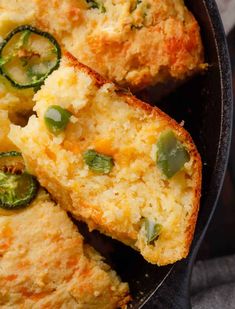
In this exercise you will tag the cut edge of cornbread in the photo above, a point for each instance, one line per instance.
(133, 101)
(93, 217)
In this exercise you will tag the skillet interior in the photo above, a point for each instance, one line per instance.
(204, 103)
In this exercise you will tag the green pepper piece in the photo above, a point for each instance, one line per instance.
(20, 56)
(96, 4)
(97, 162)
(56, 119)
(4, 61)
(152, 229)
(35, 73)
(171, 154)
(23, 40)
(17, 187)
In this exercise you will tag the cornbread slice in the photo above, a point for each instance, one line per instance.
(136, 43)
(45, 264)
(115, 124)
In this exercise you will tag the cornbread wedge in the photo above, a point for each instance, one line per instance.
(45, 264)
(135, 43)
(121, 165)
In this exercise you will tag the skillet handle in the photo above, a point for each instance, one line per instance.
(175, 290)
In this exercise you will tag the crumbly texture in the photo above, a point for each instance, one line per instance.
(135, 43)
(45, 264)
(113, 123)
(5, 143)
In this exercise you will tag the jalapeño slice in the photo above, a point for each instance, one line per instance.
(17, 187)
(28, 56)
(97, 162)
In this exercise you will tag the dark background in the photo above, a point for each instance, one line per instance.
(220, 238)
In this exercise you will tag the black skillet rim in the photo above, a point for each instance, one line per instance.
(222, 156)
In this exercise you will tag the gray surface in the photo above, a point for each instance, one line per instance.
(227, 11)
(213, 284)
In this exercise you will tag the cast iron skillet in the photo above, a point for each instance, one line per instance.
(205, 104)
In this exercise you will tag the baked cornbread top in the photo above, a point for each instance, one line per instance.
(134, 43)
(45, 264)
(134, 188)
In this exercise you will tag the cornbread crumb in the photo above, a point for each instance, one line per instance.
(134, 43)
(128, 129)
(5, 143)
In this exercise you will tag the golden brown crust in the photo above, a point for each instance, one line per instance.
(73, 62)
(152, 44)
(184, 135)
(197, 196)
(129, 48)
